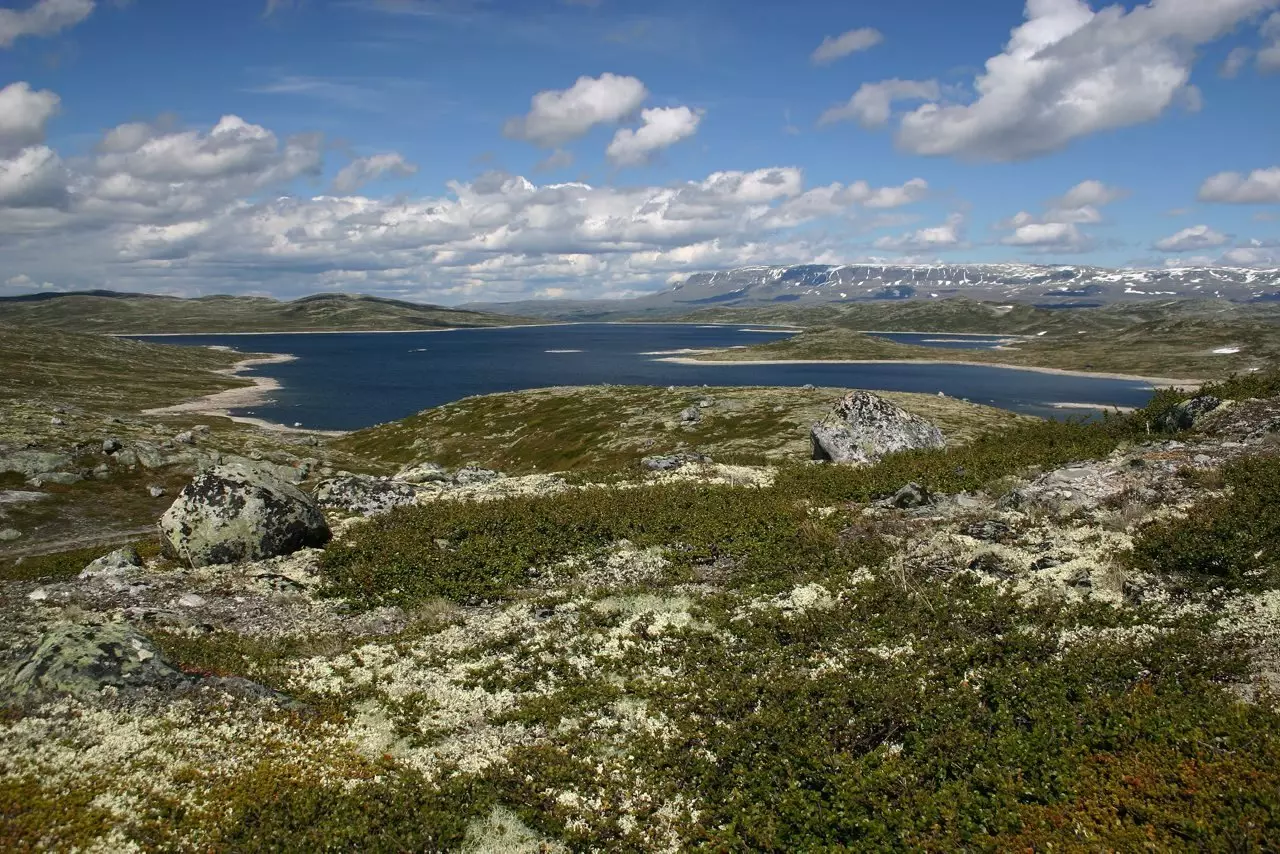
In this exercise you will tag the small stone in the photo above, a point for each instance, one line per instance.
(110, 446)
(911, 495)
(191, 600)
(1202, 459)
(155, 491)
(38, 595)
(8, 535)
(692, 415)
(57, 422)
(201, 430)
(809, 387)
(186, 437)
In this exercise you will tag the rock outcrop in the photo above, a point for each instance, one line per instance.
(367, 496)
(1186, 414)
(862, 428)
(81, 660)
(235, 513)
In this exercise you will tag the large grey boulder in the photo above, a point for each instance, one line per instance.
(1186, 414)
(862, 428)
(32, 463)
(235, 513)
(422, 473)
(364, 495)
(81, 660)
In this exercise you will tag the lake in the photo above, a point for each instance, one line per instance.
(350, 380)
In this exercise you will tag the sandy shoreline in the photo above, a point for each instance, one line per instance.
(220, 403)
(1154, 382)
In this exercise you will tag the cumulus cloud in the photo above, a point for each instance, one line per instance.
(872, 105)
(1197, 237)
(496, 235)
(24, 113)
(1057, 229)
(35, 178)
(1069, 72)
(939, 238)
(43, 18)
(661, 128)
(1259, 187)
(837, 47)
(561, 115)
(362, 170)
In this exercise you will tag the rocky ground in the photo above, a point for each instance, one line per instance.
(686, 653)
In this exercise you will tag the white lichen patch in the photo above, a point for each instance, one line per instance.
(717, 474)
(502, 832)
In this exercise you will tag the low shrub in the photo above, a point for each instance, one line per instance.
(1232, 541)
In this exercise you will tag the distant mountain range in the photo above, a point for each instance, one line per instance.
(812, 284)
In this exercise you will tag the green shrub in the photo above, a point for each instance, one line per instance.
(1232, 541)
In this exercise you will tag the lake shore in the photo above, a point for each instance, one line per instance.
(1154, 382)
(220, 403)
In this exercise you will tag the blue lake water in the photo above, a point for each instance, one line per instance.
(345, 381)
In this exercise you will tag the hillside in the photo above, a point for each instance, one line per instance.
(118, 313)
(1180, 339)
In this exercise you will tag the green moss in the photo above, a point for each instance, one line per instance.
(33, 818)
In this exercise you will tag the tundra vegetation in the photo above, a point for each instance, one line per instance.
(1178, 338)
(1073, 644)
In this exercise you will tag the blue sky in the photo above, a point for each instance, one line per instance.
(457, 150)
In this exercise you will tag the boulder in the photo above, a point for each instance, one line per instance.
(113, 565)
(471, 474)
(234, 513)
(32, 463)
(692, 415)
(186, 437)
(422, 473)
(910, 496)
(1185, 415)
(364, 495)
(862, 428)
(81, 660)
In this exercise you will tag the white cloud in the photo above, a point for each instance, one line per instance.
(362, 170)
(44, 18)
(836, 47)
(662, 127)
(1235, 61)
(24, 113)
(559, 116)
(1058, 228)
(1269, 56)
(872, 105)
(1250, 257)
(1069, 72)
(34, 178)
(1259, 187)
(1059, 236)
(1194, 238)
(498, 235)
(940, 238)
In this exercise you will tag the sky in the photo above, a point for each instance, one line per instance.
(456, 151)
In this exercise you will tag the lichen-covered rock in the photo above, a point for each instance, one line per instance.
(1185, 415)
(422, 473)
(81, 660)
(472, 475)
(235, 513)
(862, 428)
(113, 565)
(364, 495)
(691, 415)
(32, 463)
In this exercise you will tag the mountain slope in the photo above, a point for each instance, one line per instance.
(106, 311)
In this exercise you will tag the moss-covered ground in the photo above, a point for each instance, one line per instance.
(683, 667)
(614, 427)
